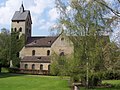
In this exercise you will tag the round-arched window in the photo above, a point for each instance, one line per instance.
(48, 52)
(20, 29)
(33, 52)
(15, 29)
(41, 67)
(62, 39)
(48, 67)
(26, 66)
(33, 66)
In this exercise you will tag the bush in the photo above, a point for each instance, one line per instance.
(14, 70)
(110, 75)
(95, 79)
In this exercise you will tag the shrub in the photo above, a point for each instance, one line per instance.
(110, 75)
(14, 70)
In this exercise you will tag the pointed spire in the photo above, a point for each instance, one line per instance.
(22, 8)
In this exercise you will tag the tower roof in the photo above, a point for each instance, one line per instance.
(21, 15)
(18, 16)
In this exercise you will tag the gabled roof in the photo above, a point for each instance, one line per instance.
(40, 59)
(46, 41)
(18, 16)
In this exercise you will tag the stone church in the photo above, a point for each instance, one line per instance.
(35, 55)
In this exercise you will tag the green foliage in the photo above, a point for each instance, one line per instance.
(17, 43)
(4, 47)
(4, 70)
(86, 24)
(112, 75)
(10, 46)
(59, 65)
(115, 84)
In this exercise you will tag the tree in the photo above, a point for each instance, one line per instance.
(4, 47)
(17, 43)
(86, 22)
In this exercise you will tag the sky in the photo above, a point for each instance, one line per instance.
(43, 13)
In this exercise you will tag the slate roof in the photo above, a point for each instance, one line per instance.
(18, 16)
(40, 59)
(46, 41)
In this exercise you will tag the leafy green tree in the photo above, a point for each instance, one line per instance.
(86, 22)
(4, 47)
(17, 43)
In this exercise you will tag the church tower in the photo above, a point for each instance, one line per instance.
(22, 22)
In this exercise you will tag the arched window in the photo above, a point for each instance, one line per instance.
(48, 52)
(20, 29)
(33, 52)
(15, 29)
(33, 66)
(62, 54)
(26, 66)
(62, 39)
(41, 67)
(48, 67)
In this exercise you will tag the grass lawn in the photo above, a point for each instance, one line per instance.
(36, 82)
(113, 82)
(32, 82)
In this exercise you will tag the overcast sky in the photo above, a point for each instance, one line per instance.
(43, 14)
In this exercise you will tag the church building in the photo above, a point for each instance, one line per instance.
(36, 53)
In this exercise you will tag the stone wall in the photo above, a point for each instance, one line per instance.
(62, 44)
(37, 65)
(18, 25)
(39, 51)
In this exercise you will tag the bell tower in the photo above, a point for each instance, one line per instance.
(22, 22)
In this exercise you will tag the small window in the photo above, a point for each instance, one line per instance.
(48, 52)
(41, 67)
(39, 58)
(62, 54)
(26, 66)
(62, 39)
(33, 66)
(20, 29)
(33, 52)
(15, 29)
(48, 67)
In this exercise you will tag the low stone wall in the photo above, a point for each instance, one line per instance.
(30, 71)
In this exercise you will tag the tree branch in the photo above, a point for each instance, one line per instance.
(115, 12)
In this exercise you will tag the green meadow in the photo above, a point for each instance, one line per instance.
(32, 82)
(9, 81)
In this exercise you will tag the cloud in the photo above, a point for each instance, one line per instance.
(42, 11)
(40, 5)
(53, 14)
(6, 11)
